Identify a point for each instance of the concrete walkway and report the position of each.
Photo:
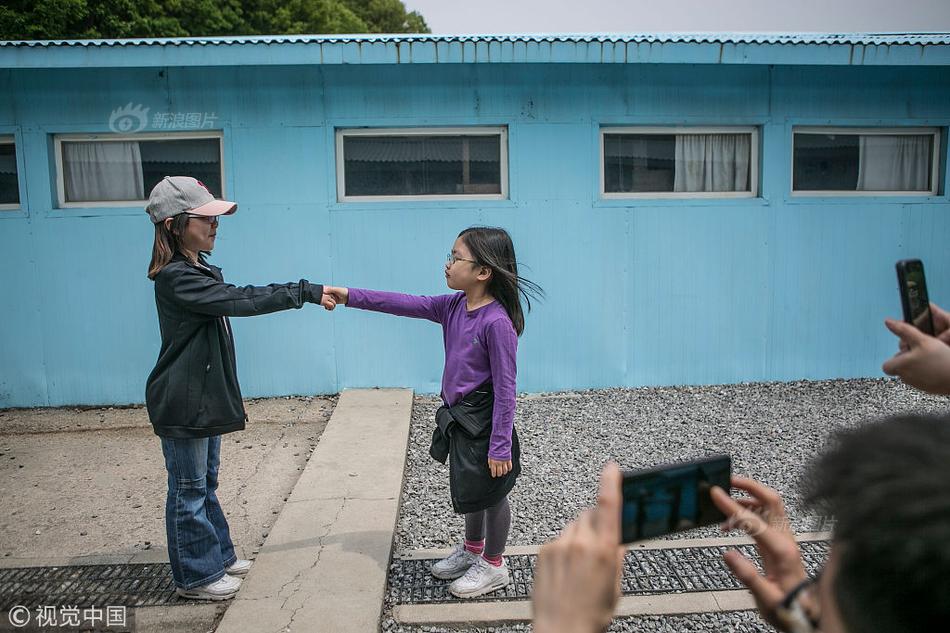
(324, 564)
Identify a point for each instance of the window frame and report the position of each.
(754, 165)
(58, 140)
(472, 130)
(866, 131)
(10, 139)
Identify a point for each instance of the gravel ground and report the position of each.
(772, 430)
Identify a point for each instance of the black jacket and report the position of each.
(193, 391)
(462, 435)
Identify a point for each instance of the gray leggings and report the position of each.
(496, 521)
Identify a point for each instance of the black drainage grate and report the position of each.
(131, 585)
(645, 572)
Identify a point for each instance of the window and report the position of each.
(115, 170)
(688, 162)
(858, 161)
(9, 183)
(422, 163)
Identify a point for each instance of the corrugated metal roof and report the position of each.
(862, 49)
(860, 39)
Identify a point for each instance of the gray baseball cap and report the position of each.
(178, 194)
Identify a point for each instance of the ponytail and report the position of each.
(167, 243)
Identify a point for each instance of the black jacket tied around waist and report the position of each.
(462, 435)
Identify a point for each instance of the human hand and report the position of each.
(764, 502)
(340, 295)
(577, 578)
(941, 323)
(327, 301)
(941, 319)
(499, 468)
(781, 558)
(924, 360)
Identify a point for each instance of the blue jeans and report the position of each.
(199, 544)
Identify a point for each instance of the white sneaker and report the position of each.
(481, 578)
(239, 568)
(455, 564)
(224, 588)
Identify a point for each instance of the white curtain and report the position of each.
(894, 163)
(98, 170)
(712, 162)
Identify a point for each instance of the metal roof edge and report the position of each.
(874, 39)
(696, 48)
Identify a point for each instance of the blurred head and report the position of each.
(887, 484)
(492, 262)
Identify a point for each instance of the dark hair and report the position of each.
(167, 243)
(888, 486)
(491, 247)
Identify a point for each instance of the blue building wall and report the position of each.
(640, 292)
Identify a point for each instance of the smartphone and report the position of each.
(672, 498)
(914, 297)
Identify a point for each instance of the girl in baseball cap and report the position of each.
(192, 394)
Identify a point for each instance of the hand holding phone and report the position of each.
(577, 577)
(672, 498)
(914, 298)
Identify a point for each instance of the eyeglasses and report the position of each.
(207, 219)
(451, 258)
(800, 609)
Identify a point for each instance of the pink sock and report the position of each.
(475, 547)
(494, 560)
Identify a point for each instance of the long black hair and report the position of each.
(492, 247)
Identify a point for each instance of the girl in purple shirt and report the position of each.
(480, 328)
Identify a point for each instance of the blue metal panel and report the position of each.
(290, 352)
(94, 307)
(639, 292)
(23, 370)
(834, 284)
(400, 251)
(577, 256)
(875, 95)
(698, 285)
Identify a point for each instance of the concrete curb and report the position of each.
(324, 564)
(472, 614)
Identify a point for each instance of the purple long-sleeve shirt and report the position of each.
(480, 344)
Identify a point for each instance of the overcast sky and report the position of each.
(642, 16)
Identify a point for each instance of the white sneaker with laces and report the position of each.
(455, 564)
(239, 568)
(224, 588)
(481, 578)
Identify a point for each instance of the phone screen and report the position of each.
(914, 298)
(672, 498)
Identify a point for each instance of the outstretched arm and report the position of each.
(205, 295)
(415, 306)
